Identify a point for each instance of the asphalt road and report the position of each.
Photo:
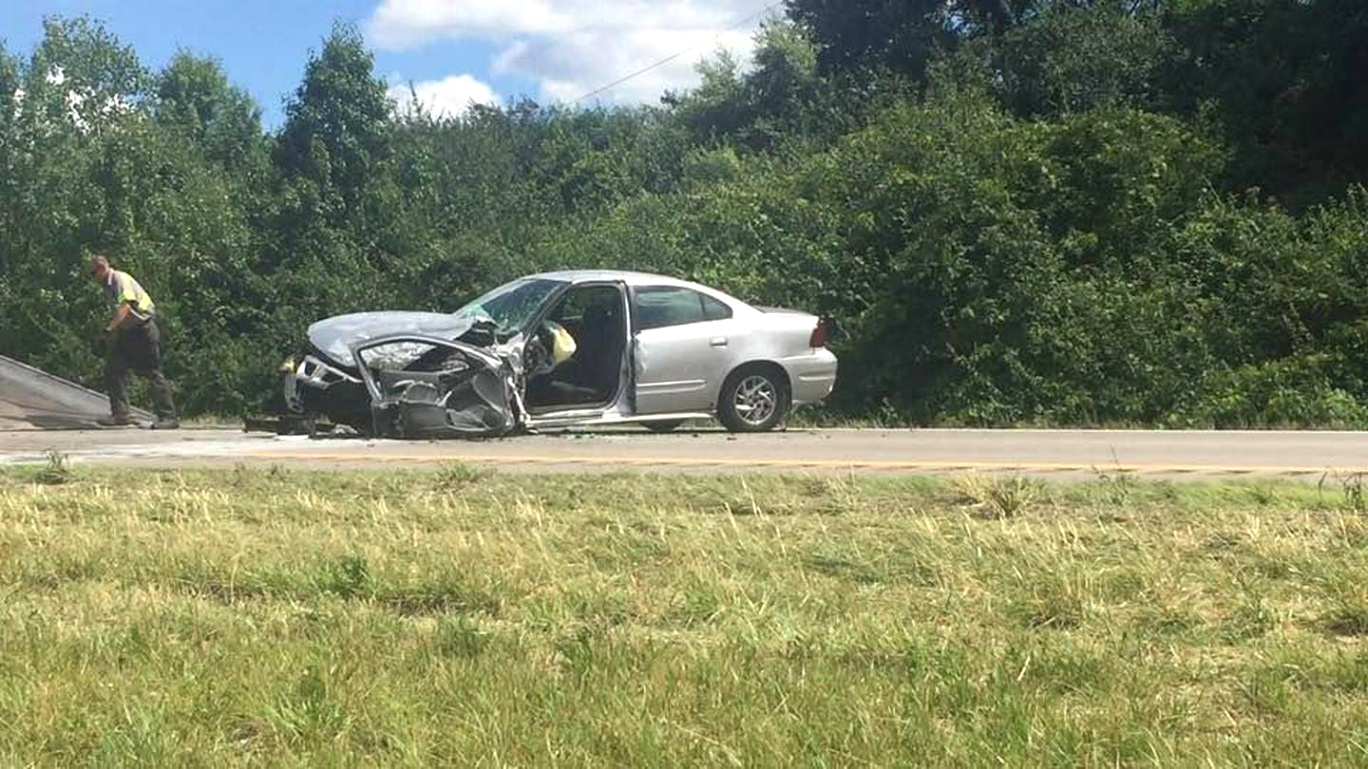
(1306, 455)
(40, 413)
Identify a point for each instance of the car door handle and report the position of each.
(718, 341)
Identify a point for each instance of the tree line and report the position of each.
(1018, 211)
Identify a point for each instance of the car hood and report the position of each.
(335, 336)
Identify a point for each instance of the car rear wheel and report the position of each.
(663, 427)
(753, 400)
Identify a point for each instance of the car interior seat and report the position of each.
(591, 374)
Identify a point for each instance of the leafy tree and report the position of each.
(336, 143)
(870, 36)
(1072, 59)
(79, 88)
(82, 75)
(1285, 80)
(716, 109)
(1019, 211)
(783, 101)
(195, 99)
(11, 186)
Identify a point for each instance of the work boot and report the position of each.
(115, 420)
(166, 423)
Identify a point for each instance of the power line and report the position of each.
(671, 58)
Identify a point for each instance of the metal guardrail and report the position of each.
(33, 396)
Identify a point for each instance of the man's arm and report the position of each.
(120, 318)
(126, 296)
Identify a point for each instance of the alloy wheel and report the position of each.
(756, 399)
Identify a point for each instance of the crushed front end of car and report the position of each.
(392, 373)
(413, 376)
(428, 387)
(322, 384)
(422, 374)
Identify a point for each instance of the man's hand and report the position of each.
(117, 322)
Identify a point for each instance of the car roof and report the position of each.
(630, 278)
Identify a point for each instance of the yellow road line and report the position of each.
(833, 464)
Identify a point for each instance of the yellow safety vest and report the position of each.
(122, 288)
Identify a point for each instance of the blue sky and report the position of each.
(452, 50)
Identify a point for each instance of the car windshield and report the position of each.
(512, 305)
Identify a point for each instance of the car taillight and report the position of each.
(820, 335)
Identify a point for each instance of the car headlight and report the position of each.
(288, 366)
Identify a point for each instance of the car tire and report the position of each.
(663, 427)
(754, 399)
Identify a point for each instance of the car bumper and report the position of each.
(812, 376)
(316, 388)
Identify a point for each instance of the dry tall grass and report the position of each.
(269, 617)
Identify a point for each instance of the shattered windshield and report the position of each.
(512, 305)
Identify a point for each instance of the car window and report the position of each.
(713, 309)
(511, 306)
(577, 301)
(662, 306)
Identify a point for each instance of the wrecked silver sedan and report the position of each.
(563, 349)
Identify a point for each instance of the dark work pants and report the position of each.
(138, 348)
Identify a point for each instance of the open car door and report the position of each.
(426, 387)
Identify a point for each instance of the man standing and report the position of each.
(135, 343)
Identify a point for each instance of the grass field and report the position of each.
(454, 617)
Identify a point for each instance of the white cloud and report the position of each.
(449, 96)
(571, 48)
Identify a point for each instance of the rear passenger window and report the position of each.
(662, 306)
